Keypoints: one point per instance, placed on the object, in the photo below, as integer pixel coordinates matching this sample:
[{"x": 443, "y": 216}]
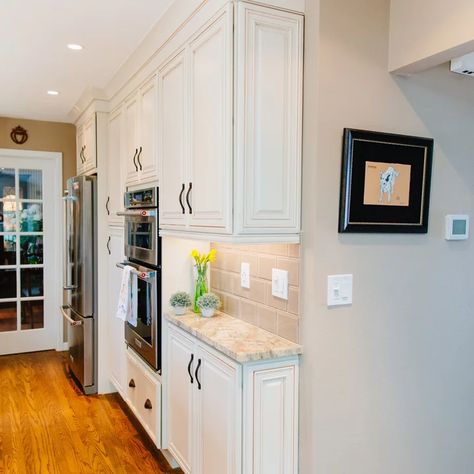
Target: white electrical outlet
[
  {"x": 245, "y": 275},
  {"x": 280, "y": 283}
]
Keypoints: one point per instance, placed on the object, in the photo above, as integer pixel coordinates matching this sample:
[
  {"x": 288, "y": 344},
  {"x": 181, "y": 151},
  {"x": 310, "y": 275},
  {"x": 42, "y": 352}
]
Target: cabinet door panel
[
  {"x": 217, "y": 411},
  {"x": 211, "y": 125},
  {"x": 79, "y": 149},
  {"x": 116, "y": 332},
  {"x": 90, "y": 148},
  {"x": 130, "y": 143},
  {"x": 114, "y": 162},
  {"x": 147, "y": 159},
  {"x": 180, "y": 397},
  {"x": 269, "y": 94},
  {"x": 172, "y": 140}
]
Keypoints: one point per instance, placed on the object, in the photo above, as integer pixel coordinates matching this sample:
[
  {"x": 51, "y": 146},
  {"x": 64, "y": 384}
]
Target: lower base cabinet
[
  {"x": 143, "y": 396},
  {"x": 224, "y": 417}
]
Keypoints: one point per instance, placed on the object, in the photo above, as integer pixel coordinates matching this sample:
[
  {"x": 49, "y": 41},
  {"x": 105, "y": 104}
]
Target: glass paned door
[
  {"x": 21, "y": 266},
  {"x": 29, "y": 253}
]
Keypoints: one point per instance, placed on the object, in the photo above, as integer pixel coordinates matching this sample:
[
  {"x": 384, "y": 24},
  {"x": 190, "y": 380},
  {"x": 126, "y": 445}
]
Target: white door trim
[{"x": 57, "y": 159}]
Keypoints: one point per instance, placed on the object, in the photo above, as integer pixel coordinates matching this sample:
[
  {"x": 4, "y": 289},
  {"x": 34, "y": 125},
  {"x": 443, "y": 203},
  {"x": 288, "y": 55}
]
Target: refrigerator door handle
[
  {"x": 68, "y": 318},
  {"x": 68, "y": 272}
]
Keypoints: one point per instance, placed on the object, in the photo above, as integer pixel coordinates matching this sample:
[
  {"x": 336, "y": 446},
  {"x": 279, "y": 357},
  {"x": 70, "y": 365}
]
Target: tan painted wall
[
  {"x": 426, "y": 33},
  {"x": 44, "y": 136},
  {"x": 387, "y": 384}
]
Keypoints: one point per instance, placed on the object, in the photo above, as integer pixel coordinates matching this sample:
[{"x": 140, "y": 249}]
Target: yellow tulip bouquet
[{"x": 201, "y": 261}]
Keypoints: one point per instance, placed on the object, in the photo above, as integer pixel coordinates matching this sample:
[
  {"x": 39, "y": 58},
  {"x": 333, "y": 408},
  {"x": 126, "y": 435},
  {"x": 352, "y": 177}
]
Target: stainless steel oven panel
[
  {"x": 149, "y": 351},
  {"x": 81, "y": 346},
  {"x": 135, "y": 251}
]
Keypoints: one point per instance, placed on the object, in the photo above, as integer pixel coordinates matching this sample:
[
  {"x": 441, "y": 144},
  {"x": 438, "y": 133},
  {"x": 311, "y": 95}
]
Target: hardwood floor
[{"x": 48, "y": 426}]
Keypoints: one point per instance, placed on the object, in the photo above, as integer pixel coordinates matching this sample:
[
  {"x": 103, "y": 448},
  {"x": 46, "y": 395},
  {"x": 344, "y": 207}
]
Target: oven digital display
[{"x": 141, "y": 198}]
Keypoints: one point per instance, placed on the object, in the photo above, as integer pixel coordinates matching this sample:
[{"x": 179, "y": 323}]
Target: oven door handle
[
  {"x": 138, "y": 213},
  {"x": 141, "y": 273}
]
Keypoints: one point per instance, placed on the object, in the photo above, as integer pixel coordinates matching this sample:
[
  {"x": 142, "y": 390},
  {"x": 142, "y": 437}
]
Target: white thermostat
[{"x": 457, "y": 227}]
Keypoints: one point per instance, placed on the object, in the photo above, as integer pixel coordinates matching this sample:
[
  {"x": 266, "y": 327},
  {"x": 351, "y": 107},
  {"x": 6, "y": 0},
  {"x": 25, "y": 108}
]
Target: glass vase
[{"x": 201, "y": 284}]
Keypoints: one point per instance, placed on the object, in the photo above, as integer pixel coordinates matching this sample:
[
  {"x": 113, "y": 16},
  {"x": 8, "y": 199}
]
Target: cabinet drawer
[
  {"x": 148, "y": 405},
  {"x": 132, "y": 382}
]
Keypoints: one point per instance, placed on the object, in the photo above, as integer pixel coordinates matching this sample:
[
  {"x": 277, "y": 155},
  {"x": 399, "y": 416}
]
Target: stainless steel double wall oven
[{"x": 143, "y": 252}]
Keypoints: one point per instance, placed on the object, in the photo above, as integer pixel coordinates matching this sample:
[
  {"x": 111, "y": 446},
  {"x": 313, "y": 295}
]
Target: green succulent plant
[
  {"x": 181, "y": 298},
  {"x": 209, "y": 301}
]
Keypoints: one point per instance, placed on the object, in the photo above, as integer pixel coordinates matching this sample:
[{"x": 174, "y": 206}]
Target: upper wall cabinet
[
  {"x": 86, "y": 143},
  {"x": 195, "y": 131},
  {"x": 268, "y": 100},
  {"x": 229, "y": 134},
  {"x": 139, "y": 134}
]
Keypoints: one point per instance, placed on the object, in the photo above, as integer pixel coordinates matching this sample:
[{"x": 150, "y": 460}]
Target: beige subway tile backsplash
[{"x": 257, "y": 305}]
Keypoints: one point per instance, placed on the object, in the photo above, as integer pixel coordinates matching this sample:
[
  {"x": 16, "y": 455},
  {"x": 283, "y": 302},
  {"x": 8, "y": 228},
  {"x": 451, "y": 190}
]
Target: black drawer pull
[
  {"x": 187, "y": 198},
  {"x": 131, "y": 383},
  {"x": 134, "y": 158},
  {"x": 181, "y": 199},
  {"x": 189, "y": 368},
  {"x": 107, "y": 205},
  {"x": 197, "y": 373},
  {"x": 148, "y": 404},
  {"x": 108, "y": 245},
  {"x": 138, "y": 158}
]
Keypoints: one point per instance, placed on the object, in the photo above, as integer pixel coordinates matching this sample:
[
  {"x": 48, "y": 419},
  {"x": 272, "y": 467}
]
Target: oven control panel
[{"x": 141, "y": 198}]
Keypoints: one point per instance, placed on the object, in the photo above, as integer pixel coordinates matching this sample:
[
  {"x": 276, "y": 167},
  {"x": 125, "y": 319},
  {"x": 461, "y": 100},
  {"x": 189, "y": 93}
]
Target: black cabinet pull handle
[
  {"x": 189, "y": 368},
  {"x": 187, "y": 198},
  {"x": 81, "y": 155},
  {"x": 108, "y": 245},
  {"x": 134, "y": 158},
  {"x": 196, "y": 374},
  {"x": 84, "y": 154},
  {"x": 148, "y": 404},
  {"x": 107, "y": 205},
  {"x": 181, "y": 199},
  {"x": 131, "y": 383},
  {"x": 138, "y": 158}
]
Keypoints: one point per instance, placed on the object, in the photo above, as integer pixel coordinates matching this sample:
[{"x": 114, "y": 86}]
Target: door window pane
[
  {"x": 8, "y": 283},
  {"x": 32, "y": 314},
  {"x": 31, "y": 249},
  {"x": 31, "y": 282},
  {"x": 8, "y": 216},
  {"x": 31, "y": 217},
  {"x": 31, "y": 184},
  {"x": 8, "y": 316},
  {"x": 7, "y": 183},
  {"x": 7, "y": 249}
]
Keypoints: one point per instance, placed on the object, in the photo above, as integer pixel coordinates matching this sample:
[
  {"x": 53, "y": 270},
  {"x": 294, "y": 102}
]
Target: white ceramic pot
[
  {"x": 208, "y": 312},
  {"x": 179, "y": 310}
]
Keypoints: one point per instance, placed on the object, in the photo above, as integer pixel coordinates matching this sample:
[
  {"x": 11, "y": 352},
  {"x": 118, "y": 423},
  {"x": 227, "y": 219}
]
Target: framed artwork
[{"x": 385, "y": 182}]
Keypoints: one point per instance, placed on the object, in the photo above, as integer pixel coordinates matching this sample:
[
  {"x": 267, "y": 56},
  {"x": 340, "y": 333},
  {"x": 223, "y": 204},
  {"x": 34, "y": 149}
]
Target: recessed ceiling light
[
  {"x": 53, "y": 92},
  {"x": 74, "y": 47}
]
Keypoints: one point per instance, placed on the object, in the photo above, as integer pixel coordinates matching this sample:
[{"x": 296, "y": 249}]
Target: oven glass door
[
  {"x": 139, "y": 234},
  {"x": 144, "y": 311},
  {"x": 141, "y": 238}
]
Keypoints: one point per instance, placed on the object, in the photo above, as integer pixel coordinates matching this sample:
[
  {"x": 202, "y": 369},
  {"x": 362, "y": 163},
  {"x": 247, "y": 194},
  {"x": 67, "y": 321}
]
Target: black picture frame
[{"x": 385, "y": 182}]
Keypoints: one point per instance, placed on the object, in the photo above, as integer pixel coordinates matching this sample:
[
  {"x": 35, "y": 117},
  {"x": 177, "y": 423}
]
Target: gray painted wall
[{"x": 388, "y": 383}]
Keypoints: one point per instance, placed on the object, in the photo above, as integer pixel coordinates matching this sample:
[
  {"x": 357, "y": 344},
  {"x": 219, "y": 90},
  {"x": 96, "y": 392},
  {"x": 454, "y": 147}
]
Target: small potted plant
[
  {"x": 208, "y": 304},
  {"x": 180, "y": 302}
]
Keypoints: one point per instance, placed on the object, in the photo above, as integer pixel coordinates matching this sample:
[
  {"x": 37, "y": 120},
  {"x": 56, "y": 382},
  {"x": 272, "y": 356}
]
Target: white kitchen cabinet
[
  {"x": 224, "y": 417},
  {"x": 143, "y": 395},
  {"x": 240, "y": 115},
  {"x": 86, "y": 144},
  {"x": 269, "y": 71},
  {"x": 172, "y": 135},
  {"x": 116, "y": 332},
  {"x": 195, "y": 131},
  {"x": 115, "y": 184},
  {"x": 140, "y": 129},
  {"x": 204, "y": 407}
]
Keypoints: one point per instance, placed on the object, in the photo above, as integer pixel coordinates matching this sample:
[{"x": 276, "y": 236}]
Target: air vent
[{"x": 463, "y": 65}]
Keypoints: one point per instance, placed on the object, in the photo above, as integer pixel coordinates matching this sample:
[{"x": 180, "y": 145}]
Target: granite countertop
[{"x": 241, "y": 341}]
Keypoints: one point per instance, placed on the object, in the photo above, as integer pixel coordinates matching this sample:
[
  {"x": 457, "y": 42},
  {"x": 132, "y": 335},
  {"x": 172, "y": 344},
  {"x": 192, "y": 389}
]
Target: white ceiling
[{"x": 34, "y": 57}]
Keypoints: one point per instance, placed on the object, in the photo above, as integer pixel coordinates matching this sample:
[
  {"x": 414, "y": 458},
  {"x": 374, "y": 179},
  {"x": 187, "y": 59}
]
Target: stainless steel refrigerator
[{"x": 80, "y": 279}]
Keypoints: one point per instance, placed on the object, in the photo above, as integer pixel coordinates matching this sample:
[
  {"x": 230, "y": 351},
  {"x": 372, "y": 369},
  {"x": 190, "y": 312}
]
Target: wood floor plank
[{"x": 48, "y": 426}]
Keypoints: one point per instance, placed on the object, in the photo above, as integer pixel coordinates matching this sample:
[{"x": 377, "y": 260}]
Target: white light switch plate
[
  {"x": 339, "y": 290},
  {"x": 280, "y": 283},
  {"x": 245, "y": 275}
]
